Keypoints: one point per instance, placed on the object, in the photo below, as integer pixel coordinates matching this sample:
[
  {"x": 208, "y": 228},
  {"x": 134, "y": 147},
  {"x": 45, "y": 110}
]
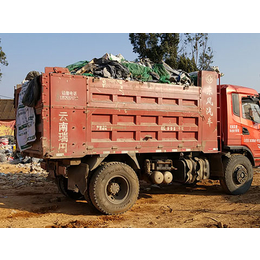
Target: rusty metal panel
[
  {"x": 68, "y": 115},
  {"x": 83, "y": 115},
  {"x": 142, "y": 117},
  {"x": 209, "y": 111}
]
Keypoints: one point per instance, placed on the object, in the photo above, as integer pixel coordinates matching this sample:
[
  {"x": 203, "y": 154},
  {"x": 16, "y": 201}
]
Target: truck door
[{"x": 250, "y": 122}]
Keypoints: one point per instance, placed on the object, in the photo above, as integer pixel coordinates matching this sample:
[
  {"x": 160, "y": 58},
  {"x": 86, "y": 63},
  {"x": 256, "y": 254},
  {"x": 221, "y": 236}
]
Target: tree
[
  {"x": 157, "y": 47},
  {"x": 189, "y": 55},
  {"x": 199, "y": 49},
  {"x": 3, "y": 60},
  {"x": 187, "y": 64}
]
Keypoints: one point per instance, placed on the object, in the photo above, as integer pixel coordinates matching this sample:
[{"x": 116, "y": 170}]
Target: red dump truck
[{"x": 98, "y": 137}]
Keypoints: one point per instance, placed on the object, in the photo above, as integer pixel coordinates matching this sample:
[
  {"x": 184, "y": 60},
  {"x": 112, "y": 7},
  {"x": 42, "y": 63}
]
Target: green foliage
[
  {"x": 187, "y": 64},
  {"x": 206, "y": 58},
  {"x": 199, "y": 49},
  {"x": 156, "y": 46},
  {"x": 190, "y": 55},
  {"x": 3, "y": 60}
]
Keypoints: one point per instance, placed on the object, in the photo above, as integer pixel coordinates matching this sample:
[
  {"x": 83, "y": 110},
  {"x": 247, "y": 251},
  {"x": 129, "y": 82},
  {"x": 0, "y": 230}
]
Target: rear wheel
[
  {"x": 114, "y": 188},
  {"x": 87, "y": 196},
  {"x": 238, "y": 174},
  {"x": 62, "y": 184}
]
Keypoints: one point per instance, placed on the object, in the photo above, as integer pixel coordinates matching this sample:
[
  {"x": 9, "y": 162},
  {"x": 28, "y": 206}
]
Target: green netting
[
  {"x": 142, "y": 73},
  {"x": 162, "y": 72},
  {"x": 88, "y": 74},
  {"x": 138, "y": 71},
  {"x": 76, "y": 66},
  {"x": 164, "y": 79}
]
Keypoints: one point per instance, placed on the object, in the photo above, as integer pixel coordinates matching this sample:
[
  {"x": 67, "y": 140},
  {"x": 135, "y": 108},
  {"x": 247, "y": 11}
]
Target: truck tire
[
  {"x": 238, "y": 174},
  {"x": 62, "y": 184},
  {"x": 87, "y": 196},
  {"x": 114, "y": 188}
]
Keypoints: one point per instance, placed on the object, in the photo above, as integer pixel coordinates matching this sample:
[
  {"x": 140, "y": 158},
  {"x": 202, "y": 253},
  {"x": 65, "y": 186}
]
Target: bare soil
[{"x": 30, "y": 200}]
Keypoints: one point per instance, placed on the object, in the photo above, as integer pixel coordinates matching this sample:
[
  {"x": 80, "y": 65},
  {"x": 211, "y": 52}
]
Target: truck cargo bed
[{"x": 79, "y": 116}]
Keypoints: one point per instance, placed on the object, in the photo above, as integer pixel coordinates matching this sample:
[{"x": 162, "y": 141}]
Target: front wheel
[
  {"x": 114, "y": 188},
  {"x": 238, "y": 174}
]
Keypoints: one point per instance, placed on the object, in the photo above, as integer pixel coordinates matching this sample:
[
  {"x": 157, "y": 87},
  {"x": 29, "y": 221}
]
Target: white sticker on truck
[{"x": 69, "y": 95}]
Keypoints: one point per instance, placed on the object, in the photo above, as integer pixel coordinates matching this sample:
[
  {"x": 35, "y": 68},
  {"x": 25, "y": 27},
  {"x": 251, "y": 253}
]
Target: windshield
[{"x": 250, "y": 110}]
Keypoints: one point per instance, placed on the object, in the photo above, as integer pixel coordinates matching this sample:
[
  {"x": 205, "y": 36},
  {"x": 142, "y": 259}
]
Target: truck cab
[{"x": 241, "y": 121}]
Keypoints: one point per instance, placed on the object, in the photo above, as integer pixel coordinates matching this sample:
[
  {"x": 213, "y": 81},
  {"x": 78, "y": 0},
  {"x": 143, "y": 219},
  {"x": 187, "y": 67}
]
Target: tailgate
[
  {"x": 67, "y": 116},
  {"x": 60, "y": 116}
]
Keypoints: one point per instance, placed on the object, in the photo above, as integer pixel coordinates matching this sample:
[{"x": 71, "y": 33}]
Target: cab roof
[{"x": 239, "y": 89}]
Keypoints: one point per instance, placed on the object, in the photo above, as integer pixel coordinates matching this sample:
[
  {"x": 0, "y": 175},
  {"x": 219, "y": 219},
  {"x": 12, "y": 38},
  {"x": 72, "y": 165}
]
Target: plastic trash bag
[{"x": 33, "y": 92}]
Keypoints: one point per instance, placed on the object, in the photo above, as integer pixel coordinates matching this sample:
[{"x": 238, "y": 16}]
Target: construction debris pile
[
  {"x": 22, "y": 172},
  {"x": 7, "y": 148},
  {"x": 22, "y": 179},
  {"x": 111, "y": 66}
]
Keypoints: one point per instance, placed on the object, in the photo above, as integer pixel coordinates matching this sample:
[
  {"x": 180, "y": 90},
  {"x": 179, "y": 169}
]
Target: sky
[
  {"x": 35, "y": 51},
  {"x": 236, "y": 54}
]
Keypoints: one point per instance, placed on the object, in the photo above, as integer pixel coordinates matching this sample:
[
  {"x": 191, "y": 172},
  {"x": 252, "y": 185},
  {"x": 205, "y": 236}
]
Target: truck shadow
[
  {"x": 176, "y": 188},
  {"x": 39, "y": 202},
  {"x": 200, "y": 189}
]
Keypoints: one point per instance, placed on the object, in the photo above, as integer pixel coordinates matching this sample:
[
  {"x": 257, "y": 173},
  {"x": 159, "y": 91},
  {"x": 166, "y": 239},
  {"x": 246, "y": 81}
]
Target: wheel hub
[
  {"x": 240, "y": 175},
  {"x": 113, "y": 188},
  {"x": 117, "y": 189}
]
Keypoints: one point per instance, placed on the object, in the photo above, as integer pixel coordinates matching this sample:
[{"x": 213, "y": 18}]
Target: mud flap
[
  {"x": 216, "y": 165},
  {"x": 77, "y": 177}
]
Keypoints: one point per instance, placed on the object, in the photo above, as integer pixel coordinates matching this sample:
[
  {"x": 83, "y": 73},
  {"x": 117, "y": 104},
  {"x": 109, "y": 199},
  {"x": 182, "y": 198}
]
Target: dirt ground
[{"x": 30, "y": 200}]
